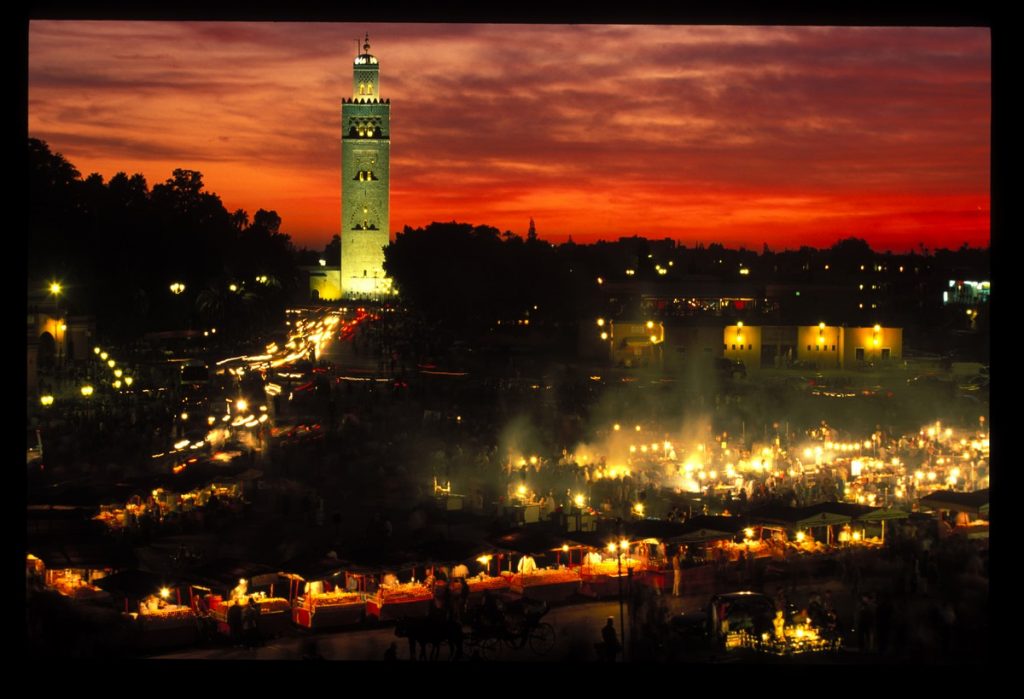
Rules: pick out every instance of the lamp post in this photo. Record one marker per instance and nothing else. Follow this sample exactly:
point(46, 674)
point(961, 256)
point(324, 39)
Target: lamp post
point(622, 614)
point(60, 328)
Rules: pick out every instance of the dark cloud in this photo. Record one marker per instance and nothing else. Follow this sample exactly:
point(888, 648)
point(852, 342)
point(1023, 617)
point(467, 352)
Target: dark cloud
point(506, 119)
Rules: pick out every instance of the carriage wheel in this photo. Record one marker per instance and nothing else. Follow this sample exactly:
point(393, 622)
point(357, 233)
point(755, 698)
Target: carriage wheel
point(542, 639)
point(489, 648)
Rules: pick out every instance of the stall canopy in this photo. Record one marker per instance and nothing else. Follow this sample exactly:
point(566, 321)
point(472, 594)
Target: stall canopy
point(594, 540)
point(87, 493)
point(882, 514)
point(227, 571)
point(372, 559)
point(711, 528)
point(975, 503)
point(821, 515)
point(84, 555)
point(654, 529)
point(774, 514)
point(443, 551)
point(313, 567)
point(526, 541)
point(134, 583)
point(843, 512)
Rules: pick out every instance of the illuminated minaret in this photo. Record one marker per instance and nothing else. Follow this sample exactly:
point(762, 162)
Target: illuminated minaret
point(365, 184)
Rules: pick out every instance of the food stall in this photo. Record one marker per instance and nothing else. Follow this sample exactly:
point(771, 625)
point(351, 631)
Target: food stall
point(595, 557)
point(77, 583)
point(549, 581)
point(388, 580)
point(653, 541)
point(396, 600)
point(233, 584)
point(818, 522)
point(155, 605)
point(481, 583)
point(323, 595)
point(878, 518)
point(458, 558)
point(967, 512)
point(73, 571)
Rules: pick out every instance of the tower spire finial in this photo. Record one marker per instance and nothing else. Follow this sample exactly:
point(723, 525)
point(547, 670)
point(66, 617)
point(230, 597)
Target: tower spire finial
point(366, 43)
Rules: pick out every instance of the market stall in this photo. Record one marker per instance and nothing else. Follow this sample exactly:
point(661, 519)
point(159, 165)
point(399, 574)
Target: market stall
point(73, 569)
point(653, 542)
point(395, 600)
point(596, 558)
point(390, 583)
point(77, 583)
point(322, 594)
point(456, 559)
point(233, 584)
point(550, 580)
point(155, 605)
point(965, 513)
point(819, 522)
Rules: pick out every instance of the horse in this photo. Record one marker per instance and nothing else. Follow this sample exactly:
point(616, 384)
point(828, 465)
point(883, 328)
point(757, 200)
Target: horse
point(433, 632)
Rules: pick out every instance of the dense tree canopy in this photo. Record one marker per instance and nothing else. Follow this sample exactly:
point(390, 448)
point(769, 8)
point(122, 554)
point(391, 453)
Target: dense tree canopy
point(117, 247)
point(468, 277)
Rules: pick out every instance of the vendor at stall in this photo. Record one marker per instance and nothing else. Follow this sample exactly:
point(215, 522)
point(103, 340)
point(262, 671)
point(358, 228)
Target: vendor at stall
point(526, 564)
point(460, 571)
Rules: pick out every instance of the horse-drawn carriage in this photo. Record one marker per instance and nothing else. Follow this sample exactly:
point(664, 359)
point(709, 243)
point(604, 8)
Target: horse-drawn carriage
point(515, 625)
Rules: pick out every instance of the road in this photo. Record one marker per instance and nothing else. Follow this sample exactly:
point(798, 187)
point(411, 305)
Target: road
point(577, 629)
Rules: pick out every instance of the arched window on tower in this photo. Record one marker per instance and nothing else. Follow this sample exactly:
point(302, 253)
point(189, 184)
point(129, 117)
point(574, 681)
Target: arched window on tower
point(362, 88)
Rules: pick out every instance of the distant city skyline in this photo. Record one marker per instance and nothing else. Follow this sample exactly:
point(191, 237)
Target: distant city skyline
point(788, 136)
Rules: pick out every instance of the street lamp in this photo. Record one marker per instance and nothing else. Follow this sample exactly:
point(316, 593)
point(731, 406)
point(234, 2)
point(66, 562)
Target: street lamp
point(87, 391)
point(177, 288)
point(622, 613)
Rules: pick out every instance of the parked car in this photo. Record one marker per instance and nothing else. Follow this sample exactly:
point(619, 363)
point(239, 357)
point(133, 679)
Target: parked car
point(743, 610)
point(730, 368)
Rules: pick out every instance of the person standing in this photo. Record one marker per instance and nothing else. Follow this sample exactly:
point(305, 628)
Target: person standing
point(234, 618)
point(610, 641)
point(250, 623)
point(677, 573)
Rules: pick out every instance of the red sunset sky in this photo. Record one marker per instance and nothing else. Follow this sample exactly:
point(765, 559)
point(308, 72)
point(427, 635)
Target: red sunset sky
point(741, 135)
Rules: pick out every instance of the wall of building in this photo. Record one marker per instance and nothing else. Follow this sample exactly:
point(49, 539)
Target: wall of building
point(636, 343)
point(743, 343)
point(890, 339)
point(326, 283)
point(686, 343)
point(821, 346)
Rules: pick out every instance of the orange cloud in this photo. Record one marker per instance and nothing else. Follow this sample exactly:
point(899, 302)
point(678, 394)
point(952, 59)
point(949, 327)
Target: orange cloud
point(737, 134)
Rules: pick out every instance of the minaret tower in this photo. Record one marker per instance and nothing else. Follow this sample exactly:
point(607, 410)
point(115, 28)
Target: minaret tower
point(365, 182)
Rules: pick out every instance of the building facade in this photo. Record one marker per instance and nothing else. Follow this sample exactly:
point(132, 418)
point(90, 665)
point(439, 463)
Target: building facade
point(365, 182)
